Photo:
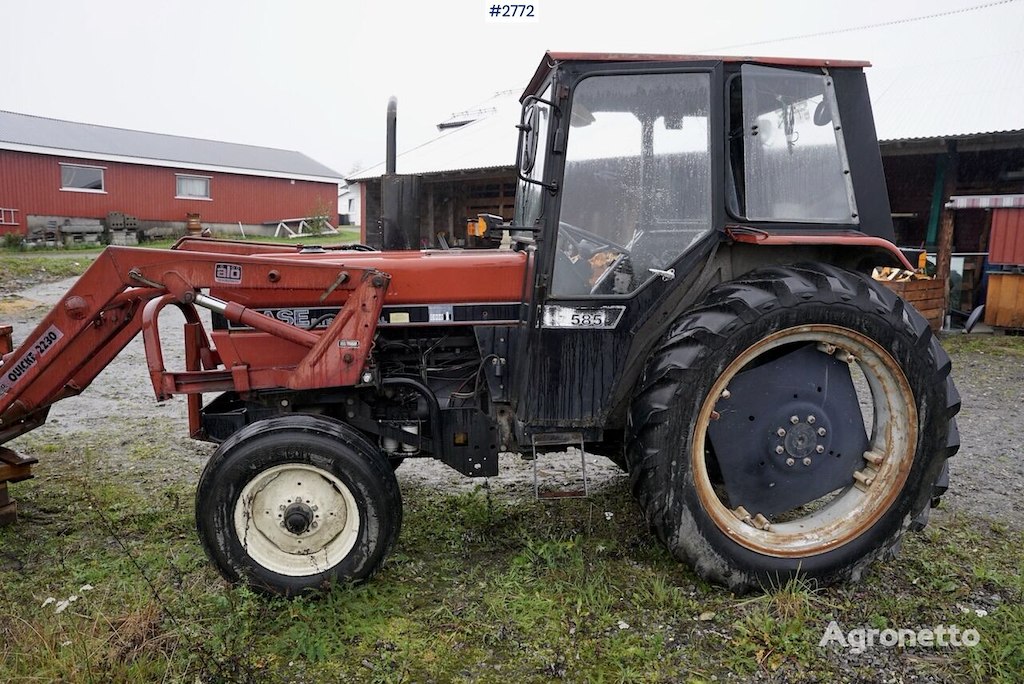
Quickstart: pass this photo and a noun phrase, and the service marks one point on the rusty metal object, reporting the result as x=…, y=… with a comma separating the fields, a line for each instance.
x=849, y=516
x=6, y=343
x=13, y=468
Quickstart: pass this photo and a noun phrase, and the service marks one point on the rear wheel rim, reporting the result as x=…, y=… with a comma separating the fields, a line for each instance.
x=857, y=507
x=296, y=519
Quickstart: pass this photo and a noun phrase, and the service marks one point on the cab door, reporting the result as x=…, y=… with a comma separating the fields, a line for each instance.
x=635, y=197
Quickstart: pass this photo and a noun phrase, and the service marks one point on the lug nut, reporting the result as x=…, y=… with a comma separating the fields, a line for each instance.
x=789, y=462
x=821, y=432
x=779, y=450
x=820, y=449
x=316, y=524
x=781, y=432
x=794, y=419
x=807, y=461
x=811, y=419
x=726, y=394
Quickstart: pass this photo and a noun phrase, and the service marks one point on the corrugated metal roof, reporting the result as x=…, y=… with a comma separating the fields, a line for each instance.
x=69, y=138
x=949, y=97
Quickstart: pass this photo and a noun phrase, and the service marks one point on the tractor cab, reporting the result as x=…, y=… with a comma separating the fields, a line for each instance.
x=634, y=169
x=627, y=161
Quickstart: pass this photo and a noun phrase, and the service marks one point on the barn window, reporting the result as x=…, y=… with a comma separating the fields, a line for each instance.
x=81, y=178
x=193, y=187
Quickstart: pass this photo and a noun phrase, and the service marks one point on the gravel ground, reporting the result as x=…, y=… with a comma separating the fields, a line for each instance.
x=118, y=412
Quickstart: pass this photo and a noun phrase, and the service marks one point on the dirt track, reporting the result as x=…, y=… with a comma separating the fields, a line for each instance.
x=141, y=441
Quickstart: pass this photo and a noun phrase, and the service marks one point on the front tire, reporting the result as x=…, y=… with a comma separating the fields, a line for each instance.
x=295, y=503
x=747, y=450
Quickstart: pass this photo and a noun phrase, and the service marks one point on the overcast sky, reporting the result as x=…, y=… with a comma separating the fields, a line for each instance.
x=315, y=75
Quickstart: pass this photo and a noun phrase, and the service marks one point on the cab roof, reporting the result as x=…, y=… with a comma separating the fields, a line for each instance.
x=552, y=59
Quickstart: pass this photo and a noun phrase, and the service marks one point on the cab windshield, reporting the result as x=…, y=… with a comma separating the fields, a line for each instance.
x=636, y=192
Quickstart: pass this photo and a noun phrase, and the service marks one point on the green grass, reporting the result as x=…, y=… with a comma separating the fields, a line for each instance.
x=345, y=235
x=998, y=345
x=479, y=588
x=20, y=270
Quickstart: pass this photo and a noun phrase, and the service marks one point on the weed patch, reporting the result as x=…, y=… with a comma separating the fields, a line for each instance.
x=481, y=587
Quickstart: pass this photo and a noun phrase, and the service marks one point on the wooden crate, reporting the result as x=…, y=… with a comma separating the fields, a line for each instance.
x=927, y=296
x=1004, y=304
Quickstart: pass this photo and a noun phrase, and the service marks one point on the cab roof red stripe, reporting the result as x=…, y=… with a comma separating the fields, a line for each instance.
x=550, y=58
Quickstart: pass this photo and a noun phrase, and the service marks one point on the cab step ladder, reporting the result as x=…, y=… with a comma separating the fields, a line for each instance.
x=568, y=440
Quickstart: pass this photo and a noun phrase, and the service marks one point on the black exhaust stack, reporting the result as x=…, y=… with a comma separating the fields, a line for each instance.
x=398, y=227
x=392, y=152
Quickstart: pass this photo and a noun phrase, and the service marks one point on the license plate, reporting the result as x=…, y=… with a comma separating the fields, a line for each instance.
x=589, y=317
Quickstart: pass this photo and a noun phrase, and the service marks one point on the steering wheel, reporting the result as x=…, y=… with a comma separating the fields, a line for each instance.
x=586, y=244
x=578, y=234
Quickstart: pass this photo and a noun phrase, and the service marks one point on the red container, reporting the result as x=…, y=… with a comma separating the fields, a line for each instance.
x=1006, y=245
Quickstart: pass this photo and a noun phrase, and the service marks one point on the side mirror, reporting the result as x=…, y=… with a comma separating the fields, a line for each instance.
x=530, y=139
x=822, y=113
x=528, y=126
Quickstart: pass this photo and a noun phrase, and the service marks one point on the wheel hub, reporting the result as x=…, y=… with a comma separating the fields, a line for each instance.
x=803, y=442
x=800, y=441
x=297, y=518
x=789, y=431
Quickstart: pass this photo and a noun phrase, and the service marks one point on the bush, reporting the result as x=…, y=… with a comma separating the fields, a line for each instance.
x=14, y=242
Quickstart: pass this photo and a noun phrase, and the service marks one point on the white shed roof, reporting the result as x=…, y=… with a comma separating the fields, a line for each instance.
x=486, y=143
x=956, y=96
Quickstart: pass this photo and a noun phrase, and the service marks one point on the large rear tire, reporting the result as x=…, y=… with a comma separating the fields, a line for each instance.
x=744, y=411
x=295, y=503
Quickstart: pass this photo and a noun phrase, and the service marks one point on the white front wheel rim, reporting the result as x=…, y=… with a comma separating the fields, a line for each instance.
x=296, y=520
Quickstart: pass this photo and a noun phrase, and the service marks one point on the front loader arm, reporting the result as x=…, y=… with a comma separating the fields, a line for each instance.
x=122, y=294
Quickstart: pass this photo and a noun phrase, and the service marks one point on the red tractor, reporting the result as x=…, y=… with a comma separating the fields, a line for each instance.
x=684, y=288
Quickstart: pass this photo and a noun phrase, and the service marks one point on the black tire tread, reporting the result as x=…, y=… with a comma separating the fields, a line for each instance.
x=691, y=340
x=382, y=469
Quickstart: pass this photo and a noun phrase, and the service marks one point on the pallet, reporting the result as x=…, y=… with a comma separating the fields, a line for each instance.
x=927, y=296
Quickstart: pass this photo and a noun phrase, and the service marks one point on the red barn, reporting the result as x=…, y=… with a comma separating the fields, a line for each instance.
x=54, y=172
